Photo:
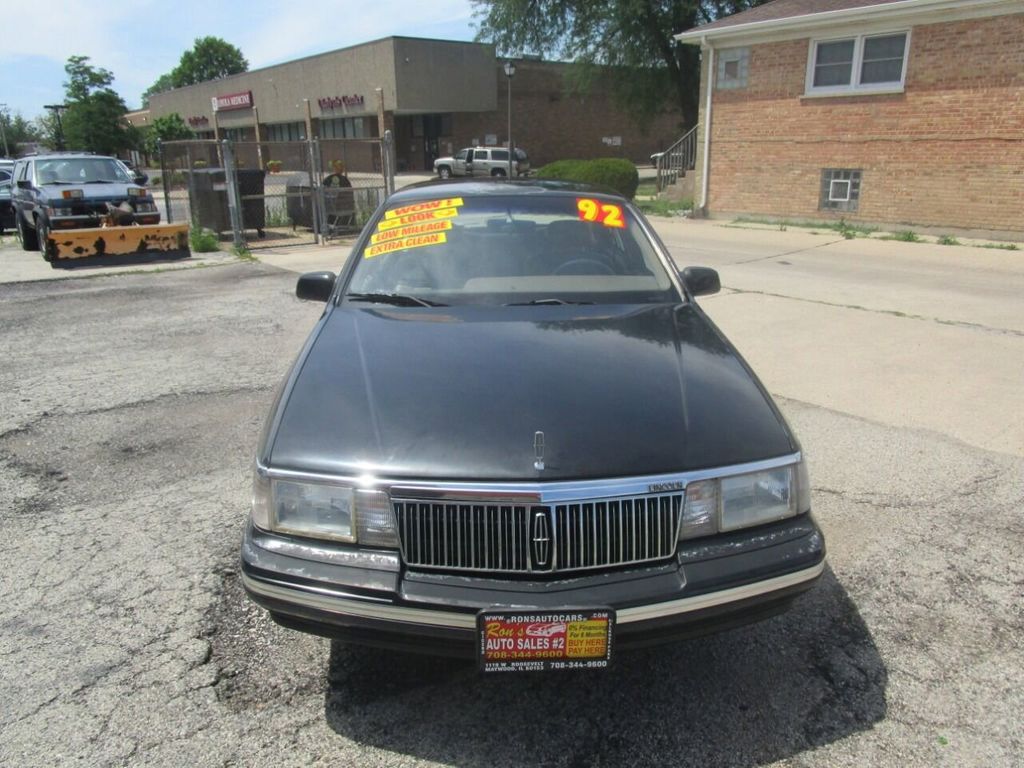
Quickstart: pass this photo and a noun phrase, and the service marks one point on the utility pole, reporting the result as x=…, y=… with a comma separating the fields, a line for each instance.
x=3, y=132
x=57, y=109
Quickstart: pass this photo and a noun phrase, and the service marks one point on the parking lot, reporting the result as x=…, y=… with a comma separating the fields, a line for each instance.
x=131, y=403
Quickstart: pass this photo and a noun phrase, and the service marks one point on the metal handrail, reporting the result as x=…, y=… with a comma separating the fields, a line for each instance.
x=679, y=158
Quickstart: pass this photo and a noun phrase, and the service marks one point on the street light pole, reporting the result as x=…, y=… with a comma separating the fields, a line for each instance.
x=510, y=71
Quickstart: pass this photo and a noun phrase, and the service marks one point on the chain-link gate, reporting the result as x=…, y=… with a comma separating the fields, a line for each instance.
x=267, y=194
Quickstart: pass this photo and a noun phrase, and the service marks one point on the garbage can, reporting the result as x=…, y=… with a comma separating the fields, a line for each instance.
x=250, y=188
x=299, y=194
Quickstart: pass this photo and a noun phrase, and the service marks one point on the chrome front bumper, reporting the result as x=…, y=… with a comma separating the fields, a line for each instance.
x=369, y=597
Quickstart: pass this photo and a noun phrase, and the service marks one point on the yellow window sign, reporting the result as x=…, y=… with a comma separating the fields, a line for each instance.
x=415, y=241
x=416, y=217
x=429, y=205
x=412, y=229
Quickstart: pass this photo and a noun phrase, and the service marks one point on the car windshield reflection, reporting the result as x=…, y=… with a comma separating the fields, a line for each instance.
x=513, y=250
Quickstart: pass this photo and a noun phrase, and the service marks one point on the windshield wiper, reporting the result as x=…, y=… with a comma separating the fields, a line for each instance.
x=103, y=181
x=398, y=299
x=537, y=302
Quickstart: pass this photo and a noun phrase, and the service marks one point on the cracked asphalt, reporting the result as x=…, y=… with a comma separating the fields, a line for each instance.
x=130, y=408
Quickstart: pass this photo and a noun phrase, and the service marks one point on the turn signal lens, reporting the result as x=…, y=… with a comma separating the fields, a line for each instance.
x=700, y=510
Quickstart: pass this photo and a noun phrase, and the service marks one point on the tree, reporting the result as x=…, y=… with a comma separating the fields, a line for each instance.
x=17, y=130
x=94, y=118
x=83, y=78
x=167, y=128
x=208, y=59
x=632, y=38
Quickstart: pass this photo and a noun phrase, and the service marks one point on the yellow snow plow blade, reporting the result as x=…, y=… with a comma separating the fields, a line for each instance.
x=145, y=241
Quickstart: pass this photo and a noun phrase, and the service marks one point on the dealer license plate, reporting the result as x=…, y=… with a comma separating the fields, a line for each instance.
x=536, y=641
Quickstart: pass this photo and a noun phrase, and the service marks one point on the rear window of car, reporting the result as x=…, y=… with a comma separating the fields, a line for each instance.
x=512, y=249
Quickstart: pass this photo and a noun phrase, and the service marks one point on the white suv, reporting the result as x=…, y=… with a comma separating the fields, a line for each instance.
x=481, y=161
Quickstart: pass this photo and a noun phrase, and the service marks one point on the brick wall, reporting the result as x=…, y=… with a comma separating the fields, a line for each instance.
x=947, y=152
x=552, y=124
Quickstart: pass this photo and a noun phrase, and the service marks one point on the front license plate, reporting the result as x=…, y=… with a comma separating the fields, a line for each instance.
x=536, y=641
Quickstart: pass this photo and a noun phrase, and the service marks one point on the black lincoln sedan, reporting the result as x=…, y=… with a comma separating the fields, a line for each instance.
x=514, y=434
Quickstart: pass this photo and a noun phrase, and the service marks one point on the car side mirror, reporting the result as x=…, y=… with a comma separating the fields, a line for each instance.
x=24, y=184
x=142, y=179
x=701, y=281
x=315, y=286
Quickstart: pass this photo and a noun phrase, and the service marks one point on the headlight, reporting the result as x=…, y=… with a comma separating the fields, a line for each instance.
x=742, y=501
x=324, y=511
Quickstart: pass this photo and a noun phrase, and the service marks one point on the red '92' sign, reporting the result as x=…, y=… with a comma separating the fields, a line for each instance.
x=608, y=214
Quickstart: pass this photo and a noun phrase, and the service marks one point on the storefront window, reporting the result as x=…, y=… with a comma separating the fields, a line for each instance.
x=344, y=128
x=285, y=132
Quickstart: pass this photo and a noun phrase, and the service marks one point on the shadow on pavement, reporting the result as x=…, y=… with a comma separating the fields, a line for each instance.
x=743, y=698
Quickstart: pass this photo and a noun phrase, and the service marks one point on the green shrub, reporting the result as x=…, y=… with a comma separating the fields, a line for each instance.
x=203, y=240
x=907, y=236
x=947, y=240
x=615, y=173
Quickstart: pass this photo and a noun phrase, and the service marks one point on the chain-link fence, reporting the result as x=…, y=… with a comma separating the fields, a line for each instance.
x=264, y=194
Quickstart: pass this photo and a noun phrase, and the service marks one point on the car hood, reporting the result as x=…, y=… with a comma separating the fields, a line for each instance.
x=457, y=393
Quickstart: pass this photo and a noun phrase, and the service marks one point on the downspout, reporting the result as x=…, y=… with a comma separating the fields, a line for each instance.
x=707, y=126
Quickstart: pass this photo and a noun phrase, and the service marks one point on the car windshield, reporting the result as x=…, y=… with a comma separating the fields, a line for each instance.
x=511, y=249
x=81, y=170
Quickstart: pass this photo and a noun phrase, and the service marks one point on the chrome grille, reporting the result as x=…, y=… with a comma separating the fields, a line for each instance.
x=580, y=535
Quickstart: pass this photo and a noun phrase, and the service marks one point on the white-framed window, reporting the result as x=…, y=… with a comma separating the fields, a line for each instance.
x=840, y=189
x=875, y=63
x=733, y=68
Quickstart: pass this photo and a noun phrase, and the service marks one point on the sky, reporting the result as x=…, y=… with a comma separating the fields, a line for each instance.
x=141, y=40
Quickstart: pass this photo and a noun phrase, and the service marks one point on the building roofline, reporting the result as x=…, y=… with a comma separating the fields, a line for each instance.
x=378, y=41
x=893, y=11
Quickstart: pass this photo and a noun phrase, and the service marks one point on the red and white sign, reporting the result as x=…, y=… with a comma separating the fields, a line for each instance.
x=242, y=100
x=333, y=102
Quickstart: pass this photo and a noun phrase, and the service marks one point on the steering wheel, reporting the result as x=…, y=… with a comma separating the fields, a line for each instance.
x=584, y=266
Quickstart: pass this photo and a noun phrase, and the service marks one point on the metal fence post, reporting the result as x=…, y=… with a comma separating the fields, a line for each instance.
x=163, y=178
x=234, y=206
x=387, y=148
x=315, y=200
x=193, y=209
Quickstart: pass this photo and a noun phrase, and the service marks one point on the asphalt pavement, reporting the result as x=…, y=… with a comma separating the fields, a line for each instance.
x=131, y=405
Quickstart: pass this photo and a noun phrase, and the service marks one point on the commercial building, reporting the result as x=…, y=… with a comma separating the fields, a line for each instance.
x=905, y=113
x=436, y=96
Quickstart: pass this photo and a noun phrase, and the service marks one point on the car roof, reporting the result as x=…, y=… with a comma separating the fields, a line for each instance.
x=429, y=190
x=68, y=156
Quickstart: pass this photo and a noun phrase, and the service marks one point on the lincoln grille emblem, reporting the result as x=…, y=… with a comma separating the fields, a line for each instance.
x=538, y=450
x=541, y=539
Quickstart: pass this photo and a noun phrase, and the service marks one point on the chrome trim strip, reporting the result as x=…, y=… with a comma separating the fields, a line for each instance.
x=531, y=492
x=711, y=599
x=332, y=602
x=353, y=558
x=359, y=607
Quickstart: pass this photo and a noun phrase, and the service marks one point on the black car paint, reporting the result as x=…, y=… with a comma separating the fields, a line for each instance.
x=456, y=393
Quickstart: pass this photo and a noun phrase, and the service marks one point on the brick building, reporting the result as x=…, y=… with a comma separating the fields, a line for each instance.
x=438, y=96
x=892, y=112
